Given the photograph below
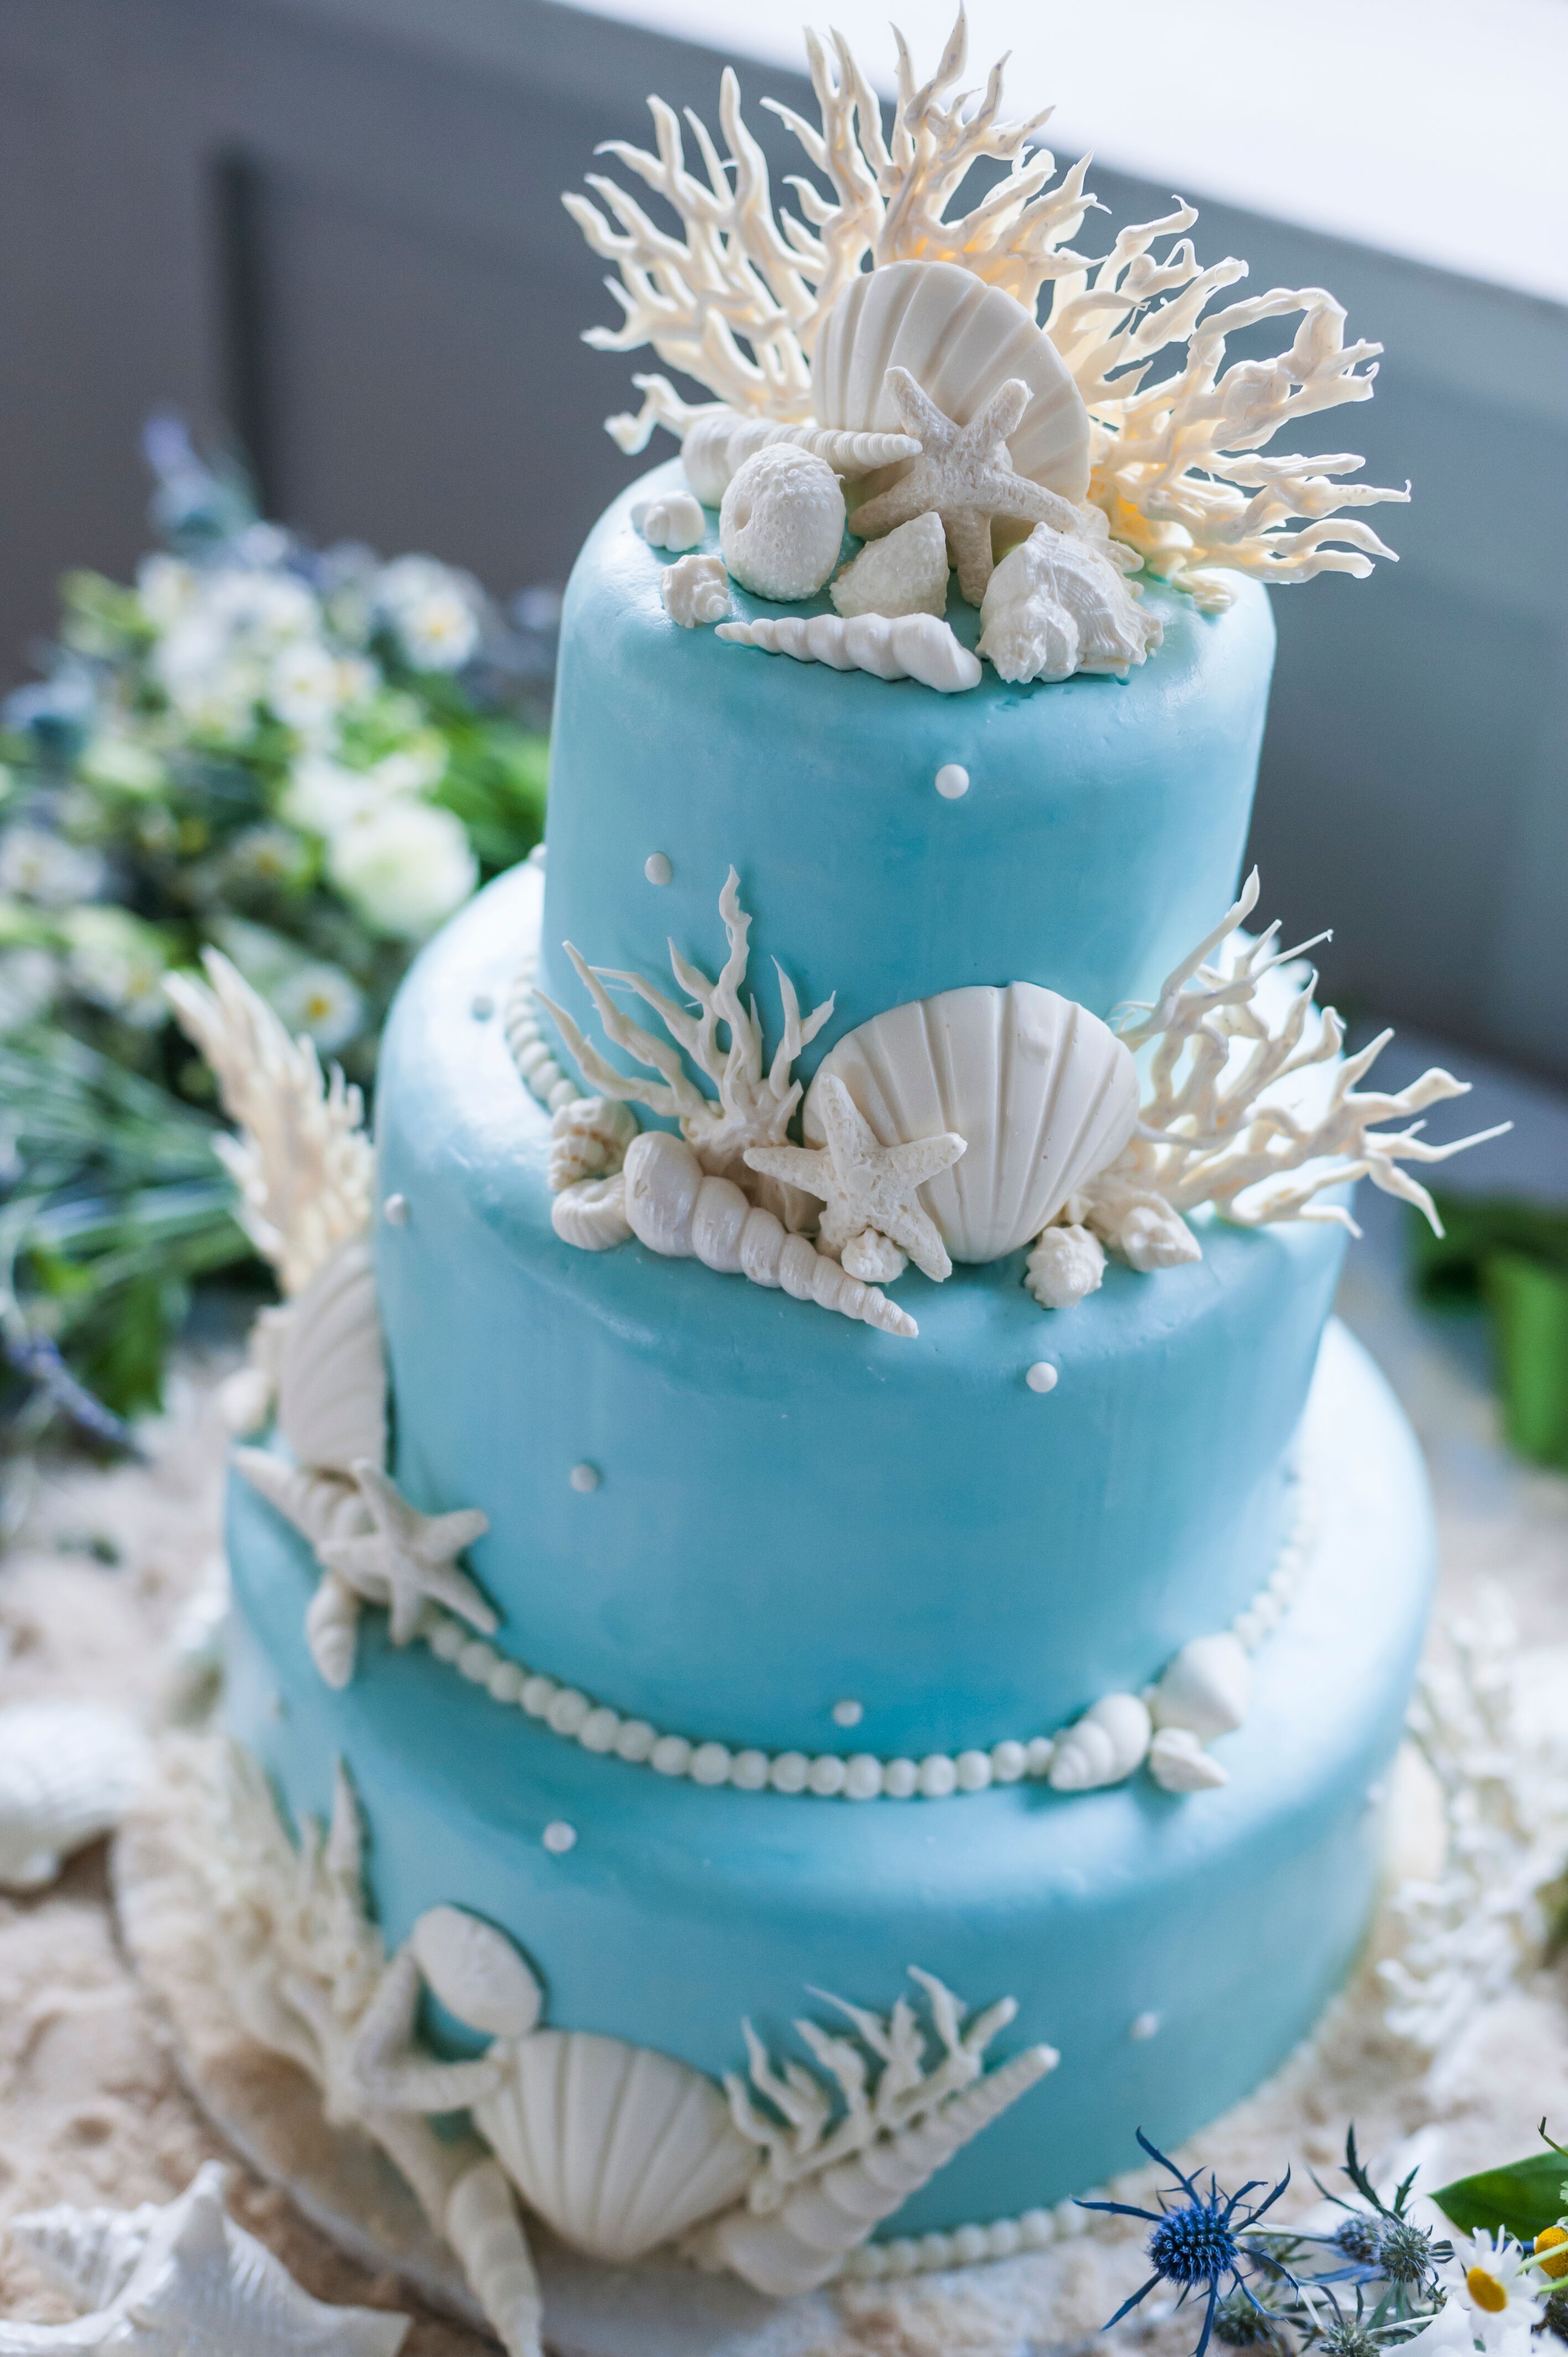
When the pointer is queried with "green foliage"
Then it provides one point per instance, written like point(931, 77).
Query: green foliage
point(1523, 2199)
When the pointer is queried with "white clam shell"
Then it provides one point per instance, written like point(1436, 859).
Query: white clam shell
point(1106, 1744)
point(781, 523)
point(961, 340)
point(617, 2148)
point(1207, 1689)
point(332, 1389)
point(1045, 1094)
point(68, 1771)
point(476, 1972)
point(1178, 1763)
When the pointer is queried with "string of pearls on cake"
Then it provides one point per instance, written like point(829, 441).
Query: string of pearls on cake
point(520, 1025)
point(577, 1717)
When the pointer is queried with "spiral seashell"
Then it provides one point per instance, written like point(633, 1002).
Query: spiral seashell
point(695, 590)
point(592, 1214)
point(718, 443)
point(476, 1972)
point(588, 1139)
point(805, 2240)
point(1207, 1689)
point(1043, 1092)
point(68, 1771)
point(781, 523)
point(675, 1208)
point(332, 1628)
point(482, 2225)
point(670, 520)
point(321, 1506)
point(332, 1386)
point(1060, 604)
point(1066, 1265)
point(1178, 1763)
point(615, 2146)
point(1103, 1748)
point(909, 646)
point(961, 340)
point(906, 573)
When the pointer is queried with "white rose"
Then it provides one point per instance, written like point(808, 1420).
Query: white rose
point(323, 797)
point(43, 868)
point(433, 612)
point(305, 689)
point(404, 865)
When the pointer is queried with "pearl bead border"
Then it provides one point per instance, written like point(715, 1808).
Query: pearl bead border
point(537, 1068)
point(577, 1717)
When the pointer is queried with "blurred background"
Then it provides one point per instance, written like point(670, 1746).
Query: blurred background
point(326, 235)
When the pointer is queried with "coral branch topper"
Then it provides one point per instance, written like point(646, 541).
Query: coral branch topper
point(737, 298)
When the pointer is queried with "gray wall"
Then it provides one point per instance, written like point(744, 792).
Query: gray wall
point(334, 224)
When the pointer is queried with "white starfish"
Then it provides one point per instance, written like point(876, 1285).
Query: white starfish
point(373, 2064)
point(409, 1557)
point(863, 1184)
point(181, 2280)
point(966, 474)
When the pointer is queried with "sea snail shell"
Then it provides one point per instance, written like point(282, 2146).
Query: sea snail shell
point(1104, 1747)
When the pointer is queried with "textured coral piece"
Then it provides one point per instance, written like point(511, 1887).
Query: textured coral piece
point(905, 573)
point(909, 646)
point(781, 523)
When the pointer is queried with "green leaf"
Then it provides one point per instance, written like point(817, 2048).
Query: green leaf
point(1524, 2198)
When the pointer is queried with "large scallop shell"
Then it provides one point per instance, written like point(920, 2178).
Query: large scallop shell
point(961, 340)
point(617, 2148)
point(332, 1389)
point(1045, 1094)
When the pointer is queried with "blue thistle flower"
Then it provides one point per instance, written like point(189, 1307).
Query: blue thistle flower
point(1357, 2236)
point(1196, 2243)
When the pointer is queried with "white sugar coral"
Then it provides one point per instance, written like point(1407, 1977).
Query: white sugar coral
point(906, 573)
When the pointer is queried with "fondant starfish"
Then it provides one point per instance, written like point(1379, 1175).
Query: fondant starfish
point(863, 1183)
point(966, 474)
point(375, 2063)
point(169, 2280)
point(409, 1559)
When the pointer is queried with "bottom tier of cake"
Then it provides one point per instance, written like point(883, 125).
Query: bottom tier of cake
point(1172, 1948)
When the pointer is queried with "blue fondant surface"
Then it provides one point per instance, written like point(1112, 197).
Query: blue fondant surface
point(1231, 1915)
point(1099, 841)
point(795, 1509)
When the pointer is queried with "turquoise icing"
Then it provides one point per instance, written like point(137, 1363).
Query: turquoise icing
point(1099, 841)
point(795, 1509)
point(1231, 1915)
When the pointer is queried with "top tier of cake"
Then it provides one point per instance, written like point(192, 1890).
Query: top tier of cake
point(1100, 836)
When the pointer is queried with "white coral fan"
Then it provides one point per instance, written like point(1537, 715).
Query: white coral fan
point(1060, 604)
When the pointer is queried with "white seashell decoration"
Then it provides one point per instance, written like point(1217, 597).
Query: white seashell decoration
point(961, 340)
point(476, 1972)
point(668, 520)
point(481, 2224)
point(717, 442)
point(1207, 1689)
point(1178, 1763)
point(592, 1214)
point(321, 1506)
point(172, 2279)
point(1103, 1746)
point(1060, 604)
point(676, 1207)
point(694, 591)
point(588, 1139)
point(909, 646)
point(615, 2146)
point(1066, 1265)
point(67, 1772)
point(781, 523)
point(332, 1386)
point(1042, 1090)
point(906, 573)
point(332, 1628)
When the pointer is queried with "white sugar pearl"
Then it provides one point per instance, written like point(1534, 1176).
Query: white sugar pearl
point(447, 1640)
point(537, 1694)
point(711, 1764)
point(789, 1771)
point(900, 2258)
point(1036, 2230)
point(482, 1007)
point(1009, 1761)
point(827, 1775)
point(671, 1756)
point(900, 1779)
point(1143, 2026)
point(863, 1777)
point(952, 782)
point(476, 1662)
point(599, 1729)
point(505, 1682)
point(848, 1714)
point(585, 1480)
point(568, 1711)
point(394, 1211)
point(559, 1837)
point(936, 2252)
point(1041, 1751)
point(657, 868)
point(748, 1771)
point(974, 1770)
point(938, 1776)
point(971, 2243)
point(1006, 2236)
point(636, 1740)
point(1042, 1376)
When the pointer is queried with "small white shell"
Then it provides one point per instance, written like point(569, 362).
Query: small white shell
point(781, 523)
point(1106, 1744)
point(668, 520)
point(476, 1972)
point(332, 1389)
point(906, 573)
point(617, 2148)
point(1066, 1265)
point(718, 441)
point(588, 1139)
point(1060, 604)
point(1044, 1093)
point(1150, 1235)
point(910, 646)
point(68, 1771)
point(592, 1214)
point(1178, 1763)
point(961, 340)
point(694, 590)
point(1207, 1689)
point(321, 1506)
point(332, 1628)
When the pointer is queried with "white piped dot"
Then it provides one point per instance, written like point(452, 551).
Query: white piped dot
point(559, 1837)
point(657, 867)
point(1042, 1376)
point(482, 1007)
point(394, 1211)
point(584, 1478)
point(1143, 2025)
point(847, 1713)
point(952, 782)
